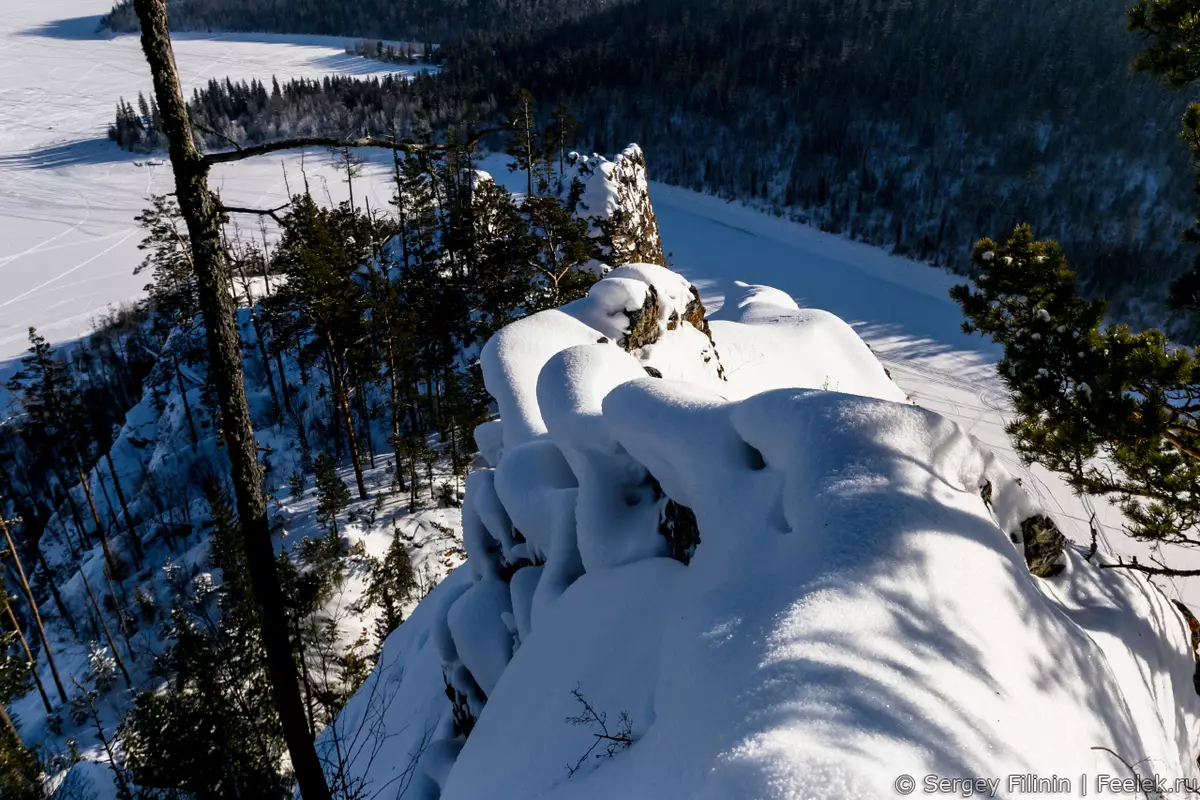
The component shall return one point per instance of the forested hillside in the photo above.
(425, 20)
(359, 331)
(916, 125)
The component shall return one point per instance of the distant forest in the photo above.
(415, 20)
(920, 125)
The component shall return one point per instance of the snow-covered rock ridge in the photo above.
(766, 573)
(614, 197)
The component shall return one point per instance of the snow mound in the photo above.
(749, 585)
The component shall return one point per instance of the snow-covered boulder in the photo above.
(785, 580)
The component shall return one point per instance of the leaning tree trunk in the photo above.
(37, 679)
(343, 408)
(200, 212)
(104, 626)
(33, 607)
(138, 553)
(58, 601)
(87, 490)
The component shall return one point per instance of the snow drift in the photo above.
(764, 571)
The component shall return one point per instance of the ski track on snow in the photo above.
(68, 197)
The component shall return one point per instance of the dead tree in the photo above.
(37, 616)
(28, 654)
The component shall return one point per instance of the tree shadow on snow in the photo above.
(72, 29)
(87, 151)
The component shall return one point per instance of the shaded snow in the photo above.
(854, 609)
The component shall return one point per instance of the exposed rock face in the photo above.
(633, 229)
(679, 527)
(1194, 628)
(615, 199)
(643, 324)
(1044, 545)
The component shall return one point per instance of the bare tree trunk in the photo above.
(366, 421)
(200, 212)
(37, 616)
(134, 540)
(306, 683)
(107, 633)
(75, 516)
(262, 347)
(87, 490)
(343, 406)
(9, 726)
(58, 601)
(187, 408)
(391, 356)
(120, 609)
(29, 657)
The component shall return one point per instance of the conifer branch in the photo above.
(333, 142)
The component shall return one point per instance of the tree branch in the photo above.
(202, 127)
(1167, 571)
(273, 213)
(399, 145)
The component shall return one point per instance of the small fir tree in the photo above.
(332, 493)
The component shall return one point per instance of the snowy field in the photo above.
(68, 242)
(68, 196)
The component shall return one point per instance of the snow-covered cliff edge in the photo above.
(728, 558)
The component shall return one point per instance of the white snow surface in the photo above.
(68, 239)
(854, 611)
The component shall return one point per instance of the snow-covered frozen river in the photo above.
(68, 196)
(68, 240)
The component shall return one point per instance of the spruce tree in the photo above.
(332, 494)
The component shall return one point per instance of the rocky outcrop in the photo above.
(1044, 545)
(643, 324)
(614, 197)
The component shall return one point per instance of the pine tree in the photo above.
(559, 135)
(393, 584)
(1117, 414)
(506, 259)
(332, 494)
(523, 144)
(172, 288)
(564, 249)
(200, 210)
(51, 399)
(320, 255)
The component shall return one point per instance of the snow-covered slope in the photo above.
(764, 574)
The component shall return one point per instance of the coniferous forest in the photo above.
(910, 125)
(184, 490)
(360, 326)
